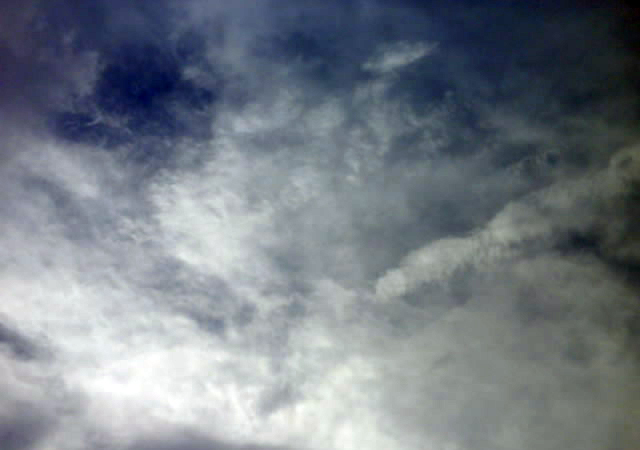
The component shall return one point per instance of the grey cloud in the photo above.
(24, 430)
(34, 402)
(22, 347)
(193, 441)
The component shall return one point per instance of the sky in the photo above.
(337, 225)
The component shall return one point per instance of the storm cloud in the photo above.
(290, 225)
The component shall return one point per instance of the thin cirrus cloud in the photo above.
(348, 226)
(399, 54)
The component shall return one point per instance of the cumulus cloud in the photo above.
(347, 226)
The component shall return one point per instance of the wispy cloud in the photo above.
(393, 56)
(316, 227)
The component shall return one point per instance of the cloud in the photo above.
(394, 56)
(20, 346)
(312, 227)
(536, 220)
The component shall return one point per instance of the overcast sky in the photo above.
(319, 225)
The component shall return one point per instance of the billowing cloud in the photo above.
(356, 225)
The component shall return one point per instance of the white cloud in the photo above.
(336, 375)
(393, 56)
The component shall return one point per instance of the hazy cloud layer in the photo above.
(286, 225)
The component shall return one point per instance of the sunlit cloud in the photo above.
(314, 227)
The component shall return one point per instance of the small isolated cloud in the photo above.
(393, 56)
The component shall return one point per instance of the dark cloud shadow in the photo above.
(24, 429)
(20, 346)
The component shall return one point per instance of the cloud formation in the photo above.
(356, 225)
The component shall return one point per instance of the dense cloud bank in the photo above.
(292, 225)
